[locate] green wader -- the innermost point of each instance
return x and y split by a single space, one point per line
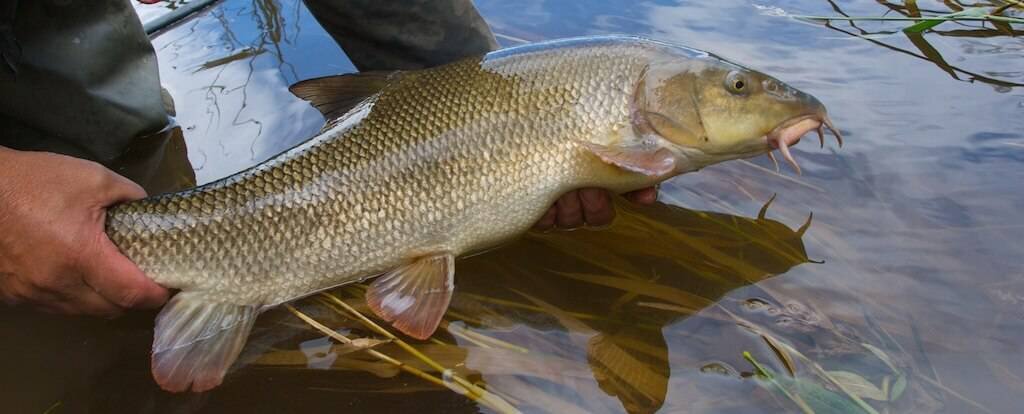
80 77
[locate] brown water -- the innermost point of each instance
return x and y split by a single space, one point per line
914 248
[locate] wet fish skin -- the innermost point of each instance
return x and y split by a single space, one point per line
452 174
435 164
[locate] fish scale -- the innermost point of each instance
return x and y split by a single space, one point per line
417 168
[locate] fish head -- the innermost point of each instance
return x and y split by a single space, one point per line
710 110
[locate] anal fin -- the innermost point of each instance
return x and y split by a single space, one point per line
414 297
197 340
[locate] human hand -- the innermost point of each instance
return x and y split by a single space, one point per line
54 253
590 206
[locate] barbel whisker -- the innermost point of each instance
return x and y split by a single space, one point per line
771 156
828 124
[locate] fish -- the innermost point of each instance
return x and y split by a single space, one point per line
414 169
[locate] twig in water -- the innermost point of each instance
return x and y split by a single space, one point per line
472 390
463 387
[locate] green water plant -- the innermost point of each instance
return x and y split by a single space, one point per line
924 23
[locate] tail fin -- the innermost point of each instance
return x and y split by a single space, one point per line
197 340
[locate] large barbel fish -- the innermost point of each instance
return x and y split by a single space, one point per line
417 168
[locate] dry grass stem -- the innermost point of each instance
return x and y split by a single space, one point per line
473 391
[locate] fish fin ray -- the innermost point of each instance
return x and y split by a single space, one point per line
648 161
196 341
414 297
336 95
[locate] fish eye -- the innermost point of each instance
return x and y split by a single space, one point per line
736 82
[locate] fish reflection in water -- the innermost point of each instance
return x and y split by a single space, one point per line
580 326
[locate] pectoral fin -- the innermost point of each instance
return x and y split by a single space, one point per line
197 340
650 161
414 297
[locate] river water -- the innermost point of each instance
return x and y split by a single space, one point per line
906 288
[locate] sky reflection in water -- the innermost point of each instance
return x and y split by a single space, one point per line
916 220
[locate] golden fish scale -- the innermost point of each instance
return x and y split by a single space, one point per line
452 159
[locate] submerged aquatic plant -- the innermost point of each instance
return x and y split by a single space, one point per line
504 367
449 379
516 339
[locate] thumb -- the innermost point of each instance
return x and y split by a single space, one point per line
120 189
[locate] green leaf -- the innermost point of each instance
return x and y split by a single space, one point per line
898 387
810 396
923 25
822 400
760 370
858 385
882 356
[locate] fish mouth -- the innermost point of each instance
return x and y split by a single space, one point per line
789 132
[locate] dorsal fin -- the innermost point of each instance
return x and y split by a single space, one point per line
336 95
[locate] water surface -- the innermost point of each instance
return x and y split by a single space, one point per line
914 246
